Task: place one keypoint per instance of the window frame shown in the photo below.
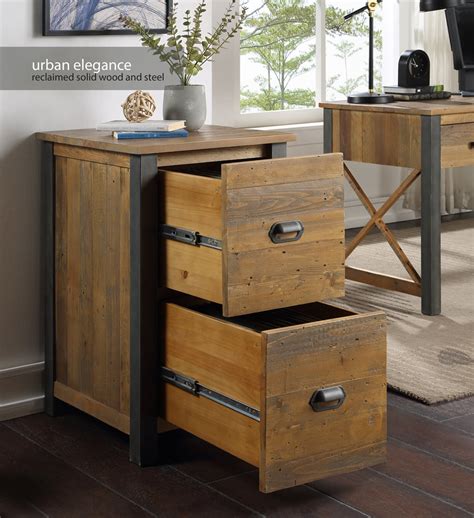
(226, 73)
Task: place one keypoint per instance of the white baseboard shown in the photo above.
(21, 370)
(21, 390)
(21, 408)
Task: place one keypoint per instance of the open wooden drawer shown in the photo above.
(299, 392)
(255, 235)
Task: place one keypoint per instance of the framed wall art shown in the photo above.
(83, 17)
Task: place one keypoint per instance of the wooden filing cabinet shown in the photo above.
(225, 341)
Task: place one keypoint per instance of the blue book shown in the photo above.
(120, 135)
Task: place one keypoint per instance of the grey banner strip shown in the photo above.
(82, 68)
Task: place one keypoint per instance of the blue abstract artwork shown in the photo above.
(102, 16)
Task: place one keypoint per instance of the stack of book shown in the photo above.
(145, 130)
(419, 93)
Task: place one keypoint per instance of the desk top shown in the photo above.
(208, 137)
(455, 105)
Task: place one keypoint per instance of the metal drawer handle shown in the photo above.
(471, 145)
(278, 231)
(327, 399)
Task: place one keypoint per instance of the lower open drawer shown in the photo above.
(298, 392)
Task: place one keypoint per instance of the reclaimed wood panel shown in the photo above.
(61, 269)
(92, 281)
(72, 281)
(362, 137)
(214, 155)
(320, 225)
(260, 275)
(296, 359)
(196, 270)
(124, 269)
(226, 429)
(95, 408)
(444, 107)
(461, 118)
(192, 202)
(282, 170)
(220, 355)
(283, 276)
(457, 145)
(386, 282)
(208, 137)
(86, 311)
(92, 155)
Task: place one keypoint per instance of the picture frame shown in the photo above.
(94, 17)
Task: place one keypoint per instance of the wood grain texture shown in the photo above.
(445, 107)
(214, 155)
(92, 155)
(362, 136)
(282, 170)
(457, 145)
(461, 118)
(95, 408)
(376, 495)
(208, 137)
(61, 272)
(124, 290)
(193, 270)
(299, 360)
(260, 275)
(387, 282)
(296, 444)
(191, 202)
(256, 274)
(73, 279)
(220, 355)
(92, 281)
(401, 459)
(226, 429)
(283, 276)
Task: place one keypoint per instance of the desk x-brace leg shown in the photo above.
(412, 287)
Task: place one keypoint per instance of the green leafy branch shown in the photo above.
(187, 52)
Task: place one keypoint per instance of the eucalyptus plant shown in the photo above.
(187, 51)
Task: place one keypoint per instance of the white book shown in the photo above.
(149, 125)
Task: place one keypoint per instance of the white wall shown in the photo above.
(22, 114)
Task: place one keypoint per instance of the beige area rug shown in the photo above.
(429, 358)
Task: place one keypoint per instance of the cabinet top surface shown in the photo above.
(208, 137)
(455, 105)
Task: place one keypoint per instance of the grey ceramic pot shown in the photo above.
(185, 103)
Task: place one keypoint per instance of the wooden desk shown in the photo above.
(101, 218)
(424, 136)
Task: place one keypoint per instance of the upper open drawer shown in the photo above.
(255, 235)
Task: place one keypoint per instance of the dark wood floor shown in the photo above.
(74, 466)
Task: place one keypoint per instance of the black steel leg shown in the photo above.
(327, 130)
(431, 216)
(52, 405)
(143, 301)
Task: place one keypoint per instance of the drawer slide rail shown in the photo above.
(189, 237)
(194, 387)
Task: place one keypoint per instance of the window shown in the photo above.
(294, 54)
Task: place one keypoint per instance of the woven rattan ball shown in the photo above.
(139, 106)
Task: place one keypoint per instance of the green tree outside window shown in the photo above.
(279, 36)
